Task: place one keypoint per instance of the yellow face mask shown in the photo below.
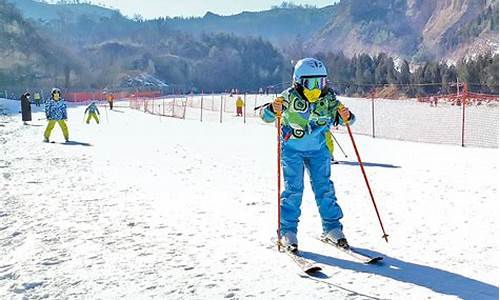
(312, 95)
(56, 97)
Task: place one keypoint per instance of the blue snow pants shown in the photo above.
(318, 166)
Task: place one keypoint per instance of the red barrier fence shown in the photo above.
(101, 96)
(466, 118)
(163, 106)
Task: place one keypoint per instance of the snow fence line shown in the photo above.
(454, 121)
(469, 124)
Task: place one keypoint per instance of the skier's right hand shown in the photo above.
(278, 105)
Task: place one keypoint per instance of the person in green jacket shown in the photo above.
(308, 109)
(37, 97)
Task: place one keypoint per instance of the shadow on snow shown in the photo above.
(367, 164)
(74, 143)
(440, 281)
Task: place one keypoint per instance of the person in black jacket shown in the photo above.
(26, 108)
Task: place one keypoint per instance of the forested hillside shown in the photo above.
(107, 52)
(84, 46)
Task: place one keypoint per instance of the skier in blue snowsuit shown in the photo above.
(309, 108)
(56, 112)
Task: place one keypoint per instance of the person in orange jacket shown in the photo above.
(110, 99)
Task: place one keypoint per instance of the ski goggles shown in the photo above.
(312, 83)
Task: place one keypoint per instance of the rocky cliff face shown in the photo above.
(411, 28)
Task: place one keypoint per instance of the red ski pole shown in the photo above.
(278, 131)
(346, 123)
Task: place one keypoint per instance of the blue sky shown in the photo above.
(158, 8)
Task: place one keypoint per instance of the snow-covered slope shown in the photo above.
(142, 206)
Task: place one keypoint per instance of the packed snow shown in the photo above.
(142, 206)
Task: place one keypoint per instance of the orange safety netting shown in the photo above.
(101, 96)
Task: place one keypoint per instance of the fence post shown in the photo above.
(373, 112)
(173, 107)
(255, 105)
(213, 101)
(464, 100)
(221, 100)
(245, 108)
(201, 107)
(185, 106)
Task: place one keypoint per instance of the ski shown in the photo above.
(304, 264)
(352, 252)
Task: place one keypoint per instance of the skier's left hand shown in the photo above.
(344, 112)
